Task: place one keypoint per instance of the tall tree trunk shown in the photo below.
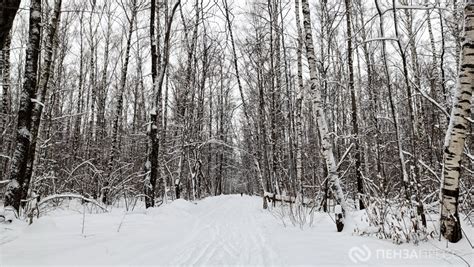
(355, 125)
(42, 89)
(276, 119)
(437, 89)
(92, 85)
(152, 168)
(290, 182)
(234, 59)
(404, 177)
(79, 106)
(373, 102)
(412, 111)
(299, 103)
(184, 101)
(264, 173)
(320, 113)
(121, 89)
(18, 179)
(456, 33)
(6, 102)
(441, 63)
(102, 88)
(457, 131)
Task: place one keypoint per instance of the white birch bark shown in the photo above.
(457, 131)
(320, 113)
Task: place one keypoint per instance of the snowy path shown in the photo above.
(226, 233)
(225, 230)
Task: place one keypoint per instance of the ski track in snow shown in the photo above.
(223, 230)
(228, 234)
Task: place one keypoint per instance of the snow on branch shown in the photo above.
(5, 156)
(344, 155)
(436, 104)
(424, 165)
(288, 199)
(86, 162)
(380, 39)
(471, 157)
(36, 101)
(71, 195)
(415, 7)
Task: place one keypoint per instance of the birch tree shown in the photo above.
(320, 113)
(458, 129)
(44, 84)
(19, 183)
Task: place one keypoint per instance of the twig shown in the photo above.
(71, 195)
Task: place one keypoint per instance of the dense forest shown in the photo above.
(358, 104)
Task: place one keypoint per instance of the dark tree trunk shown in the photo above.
(8, 10)
(5, 105)
(42, 90)
(151, 168)
(355, 125)
(155, 134)
(18, 179)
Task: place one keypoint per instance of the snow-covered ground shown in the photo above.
(224, 230)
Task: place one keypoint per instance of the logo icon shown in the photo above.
(359, 254)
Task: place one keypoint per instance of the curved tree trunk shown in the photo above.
(327, 149)
(457, 131)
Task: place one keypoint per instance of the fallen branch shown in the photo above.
(288, 199)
